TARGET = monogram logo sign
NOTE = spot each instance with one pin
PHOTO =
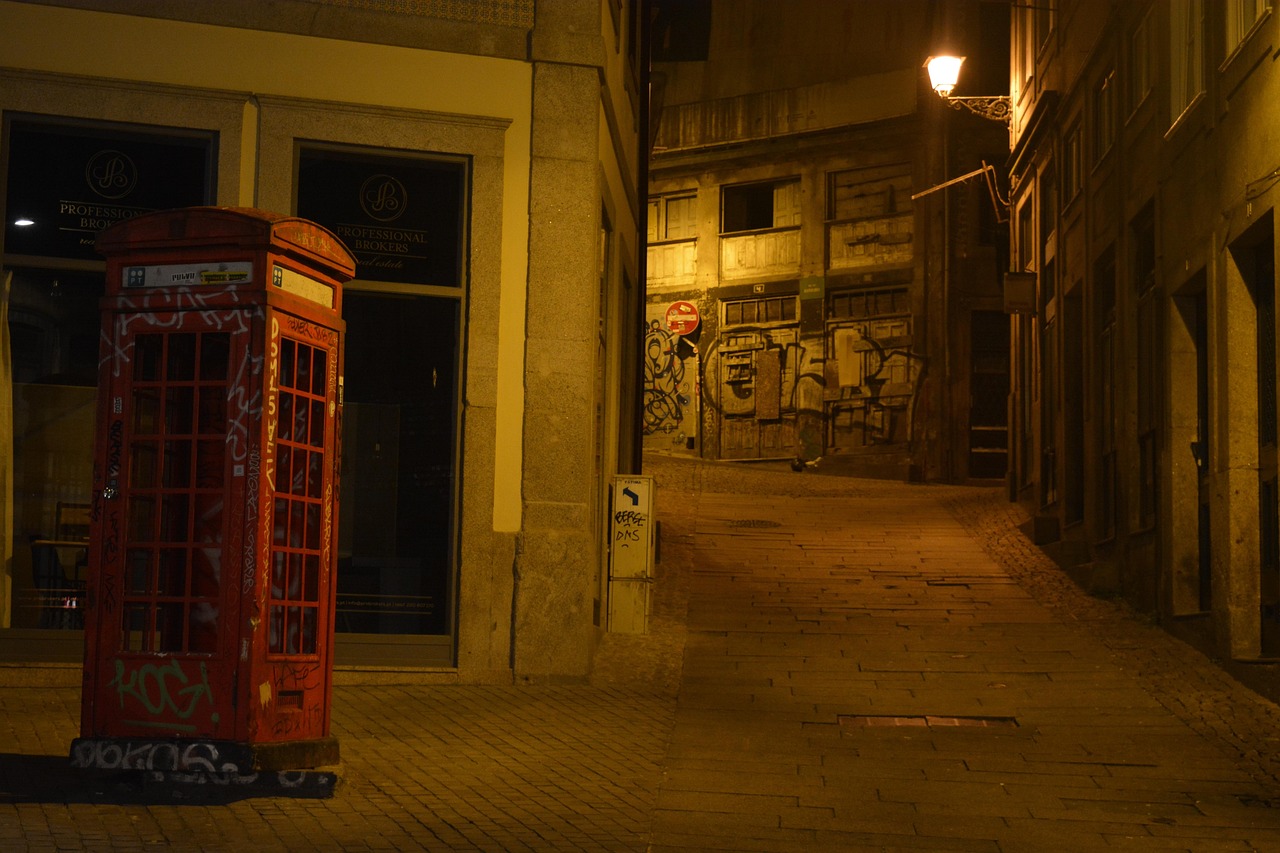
(383, 198)
(111, 174)
(73, 181)
(400, 216)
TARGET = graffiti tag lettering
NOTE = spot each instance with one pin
(628, 525)
(663, 376)
(162, 688)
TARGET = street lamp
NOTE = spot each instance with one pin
(944, 71)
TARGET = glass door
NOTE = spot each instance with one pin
(398, 498)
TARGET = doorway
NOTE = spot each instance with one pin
(989, 407)
(399, 484)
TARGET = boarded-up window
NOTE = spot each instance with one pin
(861, 304)
(869, 193)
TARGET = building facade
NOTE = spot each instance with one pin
(481, 161)
(1144, 403)
(813, 291)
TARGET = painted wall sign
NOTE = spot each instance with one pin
(67, 183)
(401, 217)
(813, 287)
(682, 317)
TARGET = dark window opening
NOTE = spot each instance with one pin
(754, 207)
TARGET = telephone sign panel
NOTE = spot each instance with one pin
(209, 635)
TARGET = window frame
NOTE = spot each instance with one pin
(1186, 57)
(1142, 61)
(787, 314)
(734, 190)
(1104, 116)
(660, 216)
(1238, 26)
(1072, 163)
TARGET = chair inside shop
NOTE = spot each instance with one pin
(60, 594)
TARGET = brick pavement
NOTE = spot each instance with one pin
(534, 767)
(826, 637)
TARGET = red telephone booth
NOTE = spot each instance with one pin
(209, 618)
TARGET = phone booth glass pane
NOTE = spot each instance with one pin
(299, 521)
(174, 492)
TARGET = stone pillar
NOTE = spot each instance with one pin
(1234, 463)
(558, 558)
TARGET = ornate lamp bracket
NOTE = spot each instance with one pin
(998, 108)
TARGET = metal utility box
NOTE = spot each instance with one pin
(633, 537)
(210, 597)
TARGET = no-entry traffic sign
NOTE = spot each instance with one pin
(682, 317)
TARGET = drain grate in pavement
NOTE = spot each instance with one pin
(870, 721)
(754, 522)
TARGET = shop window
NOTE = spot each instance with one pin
(68, 182)
(396, 528)
(64, 183)
(402, 216)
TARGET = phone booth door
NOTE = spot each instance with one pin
(168, 630)
(298, 472)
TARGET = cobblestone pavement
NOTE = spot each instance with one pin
(809, 635)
